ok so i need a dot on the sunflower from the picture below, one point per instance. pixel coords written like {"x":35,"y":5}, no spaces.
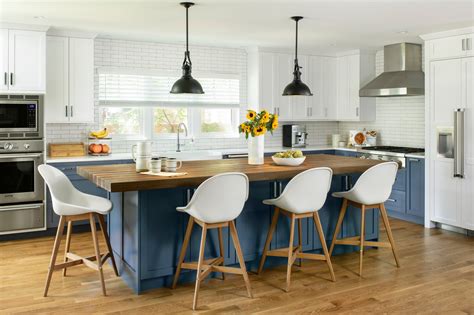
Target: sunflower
{"x":275,"y":124}
{"x":259,"y":130}
{"x":251,"y":114}
{"x":265,"y":117}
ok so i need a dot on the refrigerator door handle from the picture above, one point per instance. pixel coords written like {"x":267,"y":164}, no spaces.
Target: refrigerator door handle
{"x":459,"y":142}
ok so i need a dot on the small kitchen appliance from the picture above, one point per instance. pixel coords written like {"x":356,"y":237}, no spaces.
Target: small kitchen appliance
{"x":294,"y":136}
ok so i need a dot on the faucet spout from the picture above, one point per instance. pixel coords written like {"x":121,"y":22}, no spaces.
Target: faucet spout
{"x":183,"y":126}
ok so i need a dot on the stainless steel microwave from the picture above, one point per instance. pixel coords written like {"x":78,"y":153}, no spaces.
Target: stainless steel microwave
{"x":21,"y":117}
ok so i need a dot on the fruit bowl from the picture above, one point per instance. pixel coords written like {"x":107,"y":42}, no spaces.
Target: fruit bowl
{"x":288,"y":161}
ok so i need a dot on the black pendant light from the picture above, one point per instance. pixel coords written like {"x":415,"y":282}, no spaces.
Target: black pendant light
{"x":297,"y":87}
{"x":187,"y":84}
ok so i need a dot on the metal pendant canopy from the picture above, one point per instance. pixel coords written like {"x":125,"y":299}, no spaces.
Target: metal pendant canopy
{"x":297,"y":87}
{"x":187,"y":84}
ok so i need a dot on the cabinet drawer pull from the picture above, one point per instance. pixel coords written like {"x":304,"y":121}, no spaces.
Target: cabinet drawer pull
{"x":72,"y":113}
{"x":413,"y":160}
{"x":67,"y":168}
{"x":66,"y":110}
{"x":391,"y":200}
{"x":5,"y":78}
{"x":11,"y":78}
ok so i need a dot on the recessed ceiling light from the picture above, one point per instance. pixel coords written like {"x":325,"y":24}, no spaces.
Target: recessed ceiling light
{"x":402,"y":32}
{"x":39,"y":17}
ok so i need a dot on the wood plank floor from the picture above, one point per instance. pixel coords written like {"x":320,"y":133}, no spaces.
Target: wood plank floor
{"x":437,"y":276}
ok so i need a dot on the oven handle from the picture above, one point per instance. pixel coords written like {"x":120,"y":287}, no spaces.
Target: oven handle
{"x":24,"y":155}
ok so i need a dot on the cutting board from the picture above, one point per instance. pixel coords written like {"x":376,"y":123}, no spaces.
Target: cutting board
{"x":66,"y":149}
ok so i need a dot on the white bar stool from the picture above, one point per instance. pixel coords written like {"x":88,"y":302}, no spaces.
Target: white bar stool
{"x":303,"y":197}
{"x":215,"y":204}
{"x":72,"y":205}
{"x":371,"y":190}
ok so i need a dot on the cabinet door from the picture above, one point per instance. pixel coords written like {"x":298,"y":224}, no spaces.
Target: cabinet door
{"x":446,"y":199}
{"x":416,"y":187}
{"x":446,"y":82}
{"x":315,"y":78}
{"x":448,"y":47}
{"x":328,"y":88}
{"x":343,"y":88}
{"x":4,"y":59}
{"x":353,"y":110}
{"x":299,"y":104}
{"x":27,"y":61}
{"x":284,"y":73}
{"x":267,"y":98}
{"x":81,"y":80}
{"x":57,"y":89}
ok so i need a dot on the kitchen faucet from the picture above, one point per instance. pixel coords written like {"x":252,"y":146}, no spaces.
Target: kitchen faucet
{"x":177,"y":133}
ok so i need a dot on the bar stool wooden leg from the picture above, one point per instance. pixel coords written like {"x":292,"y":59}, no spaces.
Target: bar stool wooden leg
{"x":383,"y":211}
{"x":238,"y":250}
{"x":97,"y":252}
{"x":54,"y":254}
{"x":199,"y":265}
{"x":221,"y":248}
{"x":68,"y":244}
{"x":342,"y":213}
{"x":362,"y":237}
{"x":300,"y":237}
{"x":317,"y":223}
{"x":269,"y":239}
{"x":184,"y":247}
{"x":290,"y":252}
{"x":107,"y":242}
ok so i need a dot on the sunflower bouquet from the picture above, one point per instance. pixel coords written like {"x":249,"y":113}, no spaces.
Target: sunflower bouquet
{"x":258,"y":124}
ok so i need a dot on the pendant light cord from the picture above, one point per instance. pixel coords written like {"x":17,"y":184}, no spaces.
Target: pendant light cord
{"x":296,"y":42}
{"x":187,"y":59}
{"x":187,"y":31}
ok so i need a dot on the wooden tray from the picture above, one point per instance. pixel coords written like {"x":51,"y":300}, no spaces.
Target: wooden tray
{"x":66,"y":149}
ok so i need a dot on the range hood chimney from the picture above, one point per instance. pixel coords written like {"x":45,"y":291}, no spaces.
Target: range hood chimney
{"x":402,"y":74}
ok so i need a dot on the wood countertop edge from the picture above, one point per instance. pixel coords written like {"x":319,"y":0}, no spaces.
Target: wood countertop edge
{"x":123,"y":178}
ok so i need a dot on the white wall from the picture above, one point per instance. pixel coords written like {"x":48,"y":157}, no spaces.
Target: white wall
{"x":400,"y":120}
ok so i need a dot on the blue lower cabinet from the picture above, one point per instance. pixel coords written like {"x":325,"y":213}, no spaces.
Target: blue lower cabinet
{"x":401,"y":180}
{"x":396,"y":202}
{"x":416,"y":187}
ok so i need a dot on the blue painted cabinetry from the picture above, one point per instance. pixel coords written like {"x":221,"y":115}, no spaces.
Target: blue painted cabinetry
{"x":416,"y":187}
{"x":82,"y":184}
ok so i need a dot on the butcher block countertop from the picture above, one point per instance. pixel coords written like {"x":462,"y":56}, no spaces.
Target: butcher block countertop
{"x":122,"y":177}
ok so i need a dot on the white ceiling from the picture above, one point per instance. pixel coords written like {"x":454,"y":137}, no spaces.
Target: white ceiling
{"x":328,"y":25}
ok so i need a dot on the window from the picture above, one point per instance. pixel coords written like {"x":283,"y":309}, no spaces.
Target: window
{"x":125,"y":121}
{"x":137,"y":103}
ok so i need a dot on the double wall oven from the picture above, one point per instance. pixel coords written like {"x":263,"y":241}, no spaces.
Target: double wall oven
{"x":22,"y":190}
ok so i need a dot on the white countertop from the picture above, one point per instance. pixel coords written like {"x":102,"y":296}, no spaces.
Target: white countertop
{"x":211,"y":153}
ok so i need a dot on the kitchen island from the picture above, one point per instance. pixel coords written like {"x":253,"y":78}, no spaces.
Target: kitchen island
{"x":146,"y":231}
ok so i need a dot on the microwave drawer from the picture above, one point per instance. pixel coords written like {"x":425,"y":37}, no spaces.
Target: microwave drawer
{"x":21,"y":218}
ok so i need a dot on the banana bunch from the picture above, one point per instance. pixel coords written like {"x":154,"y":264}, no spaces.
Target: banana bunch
{"x":99,"y":134}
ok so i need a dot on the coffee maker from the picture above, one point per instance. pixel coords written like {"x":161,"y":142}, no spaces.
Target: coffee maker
{"x":294,"y":136}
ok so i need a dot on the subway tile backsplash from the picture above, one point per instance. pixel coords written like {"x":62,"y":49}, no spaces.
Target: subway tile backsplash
{"x":400,"y":120}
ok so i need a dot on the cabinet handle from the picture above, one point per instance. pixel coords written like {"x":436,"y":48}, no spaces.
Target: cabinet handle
{"x":469,"y":44}
{"x":5,"y":78}
{"x":72,"y":168}
{"x":72,"y":113}
{"x":311,"y":111}
{"x":66,"y":110}
{"x":325,"y":112}
{"x":11,"y":79}
{"x":413,"y":160}
{"x":357,"y":111}
{"x":391,"y":200}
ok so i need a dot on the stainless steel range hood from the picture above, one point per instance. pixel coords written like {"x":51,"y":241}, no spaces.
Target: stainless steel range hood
{"x":402,"y":74}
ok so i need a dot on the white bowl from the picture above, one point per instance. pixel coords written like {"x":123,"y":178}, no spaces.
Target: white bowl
{"x":288,"y":161}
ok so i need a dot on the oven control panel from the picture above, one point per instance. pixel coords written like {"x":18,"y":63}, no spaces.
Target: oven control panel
{"x":21,"y":146}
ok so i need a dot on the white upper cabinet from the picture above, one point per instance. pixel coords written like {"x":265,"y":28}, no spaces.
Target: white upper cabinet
{"x":352,"y":72}
{"x":23,"y":61}
{"x":451,"y":47}
{"x":70,"y":74}
{"x":334,"y":82}
{"x":4,"y":59}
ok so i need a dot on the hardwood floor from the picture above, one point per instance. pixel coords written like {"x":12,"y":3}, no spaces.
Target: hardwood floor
{"x":436,"y":276}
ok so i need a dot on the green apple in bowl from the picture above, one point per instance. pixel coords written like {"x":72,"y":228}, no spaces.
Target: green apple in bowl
{"x":289,"y":158}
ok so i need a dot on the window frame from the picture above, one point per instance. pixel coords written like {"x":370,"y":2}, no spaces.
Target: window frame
{"x":143,"y":124}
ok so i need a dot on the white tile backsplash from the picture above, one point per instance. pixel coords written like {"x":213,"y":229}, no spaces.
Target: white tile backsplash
{"x":400,"y":120}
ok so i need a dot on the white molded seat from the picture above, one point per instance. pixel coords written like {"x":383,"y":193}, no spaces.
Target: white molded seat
{"x":67,"y":200}
{"x":371,"y":190}
{"x":216,"y":203}
{"x":303,"y":197}
{"x":220,"y":198}
{"x":373,"y":186}
{"x":73,"y":205}
{"x":306,"y":192}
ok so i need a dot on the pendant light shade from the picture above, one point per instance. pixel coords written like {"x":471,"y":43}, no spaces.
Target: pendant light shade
{"x":297,"y":87}
{"x":187,"y":84}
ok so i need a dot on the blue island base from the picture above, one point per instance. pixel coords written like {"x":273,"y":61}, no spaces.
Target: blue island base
{"x":147,"y":232}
